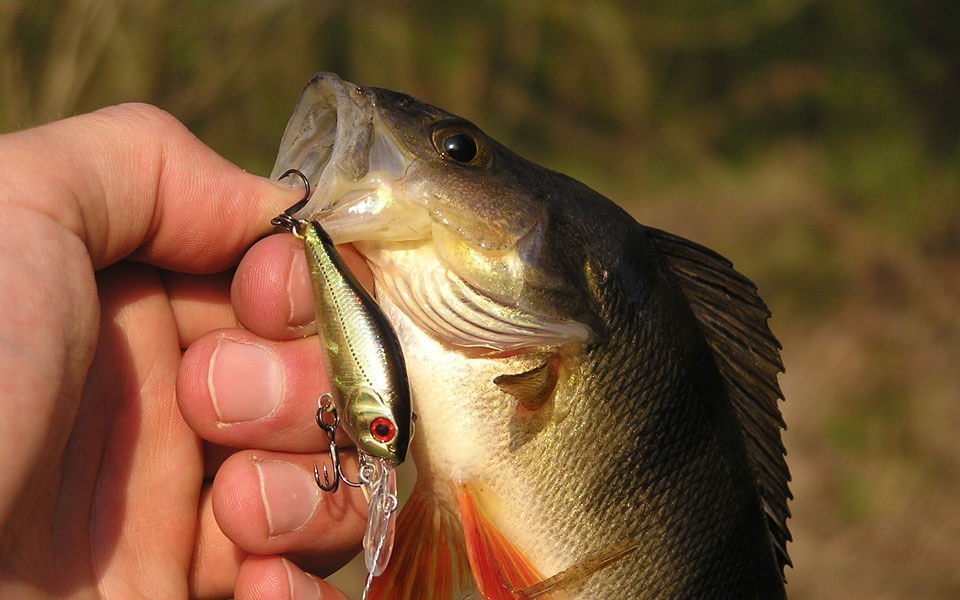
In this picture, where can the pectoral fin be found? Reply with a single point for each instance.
(534, 387)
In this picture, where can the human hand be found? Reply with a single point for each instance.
(111, 226)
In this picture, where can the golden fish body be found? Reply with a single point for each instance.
(596, 399)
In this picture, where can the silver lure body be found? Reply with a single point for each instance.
(361, 353)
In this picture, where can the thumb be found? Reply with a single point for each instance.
(132, 181)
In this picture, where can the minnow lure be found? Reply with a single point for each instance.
(370, 398)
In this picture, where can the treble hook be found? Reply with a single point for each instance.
(330, 429)
(286, 218)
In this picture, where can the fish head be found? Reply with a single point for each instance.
(390, 172)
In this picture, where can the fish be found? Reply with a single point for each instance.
(596, 400)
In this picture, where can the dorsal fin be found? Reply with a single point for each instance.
(734, 320)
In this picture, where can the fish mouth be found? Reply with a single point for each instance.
(354, 163)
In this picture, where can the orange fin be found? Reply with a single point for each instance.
(498, 568)
(438, 556)
(429, 558)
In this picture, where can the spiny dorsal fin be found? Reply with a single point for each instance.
(734, 319)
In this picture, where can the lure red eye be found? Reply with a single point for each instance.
(383, 430)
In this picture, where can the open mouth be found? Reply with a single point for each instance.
(351, 158)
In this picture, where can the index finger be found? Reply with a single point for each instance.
(131, 180)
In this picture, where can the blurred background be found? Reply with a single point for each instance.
(815, 143)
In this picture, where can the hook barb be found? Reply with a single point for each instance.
(330, 429)
(324, 482)
(326, 485)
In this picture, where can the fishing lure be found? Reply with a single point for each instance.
(370, 398)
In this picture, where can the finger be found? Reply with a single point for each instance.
(269, 503)
(237, 389)
(149, 452)
(273, 577)
(216, 560)
(272, 292)
(200, 303)
(131, 179)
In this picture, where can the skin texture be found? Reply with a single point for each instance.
(118, 228)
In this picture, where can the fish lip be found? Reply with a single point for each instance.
(351, 157)
(310, 137)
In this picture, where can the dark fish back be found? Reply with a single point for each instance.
(706, 501)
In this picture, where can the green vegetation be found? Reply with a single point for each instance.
(816, 143)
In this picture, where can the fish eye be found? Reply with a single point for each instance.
(458, 144)
(461, 147)
(383, 430)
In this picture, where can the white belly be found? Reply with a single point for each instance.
(462, 437)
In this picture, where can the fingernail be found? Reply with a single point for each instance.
(299, 293)
(289, 495)
(302, 585)
(245, 381)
